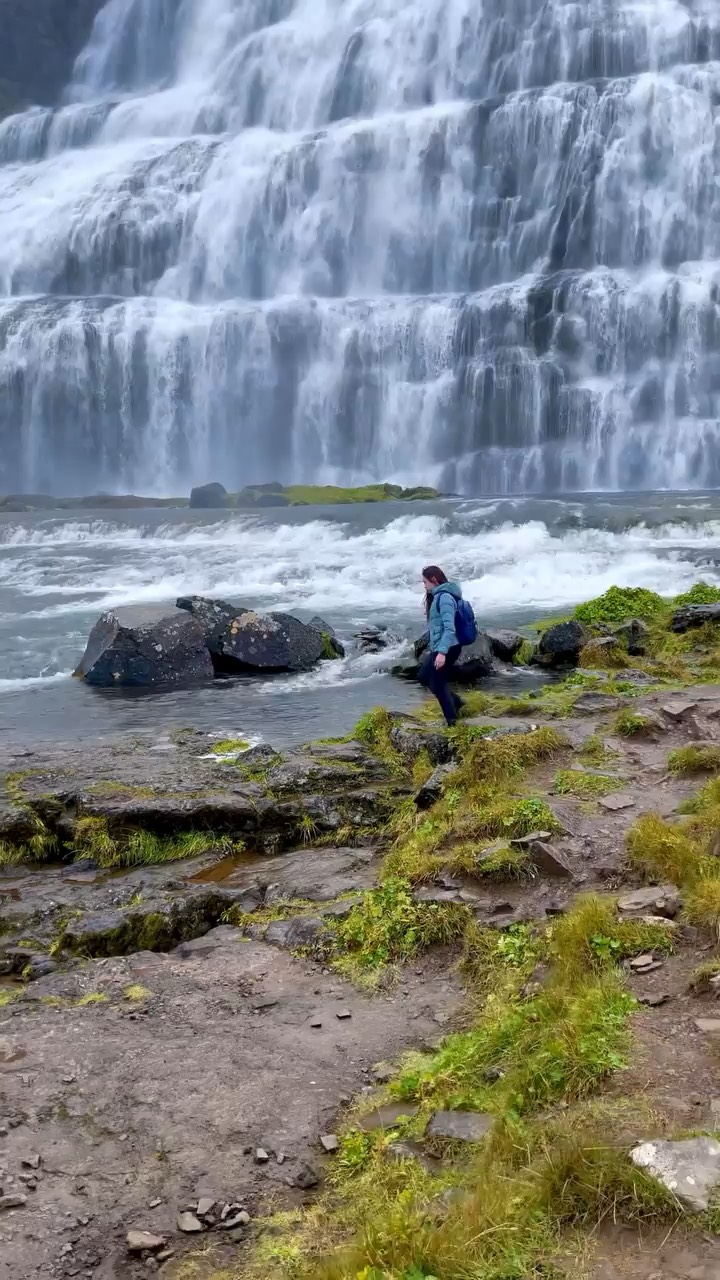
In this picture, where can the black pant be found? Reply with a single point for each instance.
(437, 682)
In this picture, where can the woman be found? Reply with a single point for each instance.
(441, 601)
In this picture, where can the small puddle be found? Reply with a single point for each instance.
(226, 867)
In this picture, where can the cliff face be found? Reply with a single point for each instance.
(39, 43)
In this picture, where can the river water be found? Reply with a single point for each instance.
(518, 560)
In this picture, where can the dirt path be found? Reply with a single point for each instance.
(167, 1097)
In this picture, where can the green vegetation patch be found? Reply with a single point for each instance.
(555, 1162)
(573, 782)
(619, 604)
(389, 926)
(93, 839)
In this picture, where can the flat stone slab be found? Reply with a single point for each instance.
(388, 1116)
(708, 1026)
(678, 710)
(690, 1168)
(616, 801)
(463, 1126)
(660, 900)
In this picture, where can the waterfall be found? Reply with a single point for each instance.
(473, 243)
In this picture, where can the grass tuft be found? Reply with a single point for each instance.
(694, 759)
(629, 723)
(572, 782)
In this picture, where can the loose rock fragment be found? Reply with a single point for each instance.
(143, 1242)
(616, 801)
(663, 900)
(188, 1223)
(387, 1117)
(463, 1126)
(261, 1156)
(11, 1201)
(205, 1206)
(330, 1142)
(690, 1168)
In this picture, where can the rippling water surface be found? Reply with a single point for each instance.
(517, 559)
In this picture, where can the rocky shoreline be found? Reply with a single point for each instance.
(208, 949)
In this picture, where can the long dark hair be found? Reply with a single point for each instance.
(433, 574)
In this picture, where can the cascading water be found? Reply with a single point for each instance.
(475, 242)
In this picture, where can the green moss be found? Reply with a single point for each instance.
(619, 604)
(92, 997)
(524, 654)
(334, 495)
(572, 782)
(329, 650)
(230, 746)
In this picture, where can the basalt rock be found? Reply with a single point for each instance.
(141, 647)
(695, 615)
(270, 642)
(560, 645)
(505, 644)
(209, 496)
(214, 616)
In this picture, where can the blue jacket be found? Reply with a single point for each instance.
(441, 618)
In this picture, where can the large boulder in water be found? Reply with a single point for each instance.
(560, 645)
(208, 496)
(214, 616)
(270, 642)
(142, 647)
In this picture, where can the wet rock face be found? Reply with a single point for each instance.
(197, 639)
(560, 645)
(214, 616)
(270, 642)
(144, 647)
(208, 496)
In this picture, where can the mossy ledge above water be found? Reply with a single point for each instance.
(260, 496)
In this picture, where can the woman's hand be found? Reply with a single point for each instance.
(439, 661)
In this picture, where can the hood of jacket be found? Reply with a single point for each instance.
(453, 589)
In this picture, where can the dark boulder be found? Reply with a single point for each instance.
(332, 648)
(214, 616)
(560, 645)
(208, 496)
(505, 644)
(270, 642)
(634, 634)
(142, 647)
(695, 615)
(475, 661)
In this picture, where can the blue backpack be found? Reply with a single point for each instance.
(465, 625)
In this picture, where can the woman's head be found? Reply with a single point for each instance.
(432, 576)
